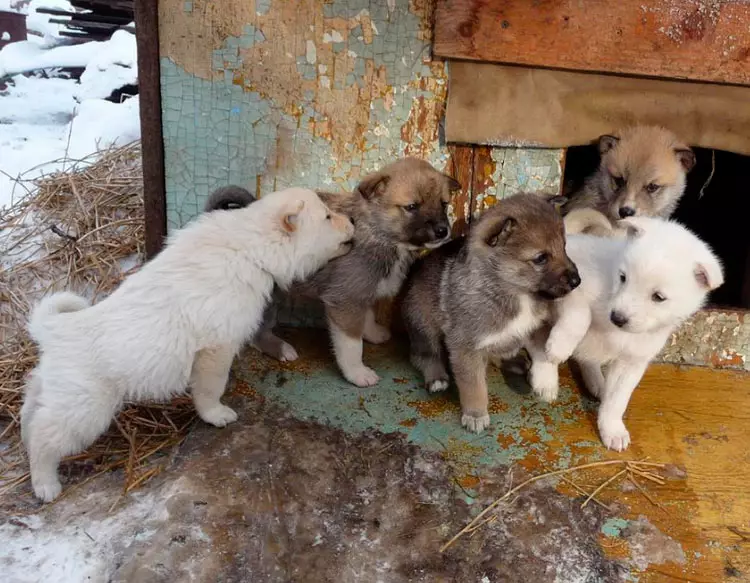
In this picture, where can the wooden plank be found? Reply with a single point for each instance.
(152, 144)
(681, 39)
(460, 166)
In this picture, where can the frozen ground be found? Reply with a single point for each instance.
(48, 116)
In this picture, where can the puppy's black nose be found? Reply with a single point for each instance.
(618, 319)
(441, 231)
(572, 278)
(626, 211)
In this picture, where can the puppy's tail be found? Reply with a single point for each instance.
(589, 221)
(50, 307)
(228, 198)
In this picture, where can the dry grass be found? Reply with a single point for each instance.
(80, 229)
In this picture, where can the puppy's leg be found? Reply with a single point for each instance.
(428, 356)
(543, 374)
(373, 332)
(620, 381)
(347, 326)
(208, 380)
(51, 432)
(592, 377)
(569, 329)
(268, 343)
(470, 372)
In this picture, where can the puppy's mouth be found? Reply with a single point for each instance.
(438, 243)
(344, 248)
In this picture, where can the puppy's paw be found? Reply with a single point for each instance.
(544, 381)
(476, 422)
(614, 434)
(287, 353)
(558, 350)
(437, 385)
(377, 334)
(362, 376)
(219, 416)
(47, 491)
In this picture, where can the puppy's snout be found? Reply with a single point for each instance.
(626, 211)
(441, 231)
(571, 278)
(618, 319)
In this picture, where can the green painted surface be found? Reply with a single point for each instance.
(399, 403)
(613, 527)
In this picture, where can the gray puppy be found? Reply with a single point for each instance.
(397, 212)
(486, 293)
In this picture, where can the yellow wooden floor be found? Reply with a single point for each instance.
(699, 420)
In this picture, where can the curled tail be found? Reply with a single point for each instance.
(227, 198)
(50, 307)
(588, 221)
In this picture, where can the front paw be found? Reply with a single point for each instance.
(219, 416)
(287, 353)
(47, 491)
(377, 334)
(362, 376)
(437, 386)
(614, 434)
(558, 350)
(475, 422)
(544, 381)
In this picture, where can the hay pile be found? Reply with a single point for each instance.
(80, 229)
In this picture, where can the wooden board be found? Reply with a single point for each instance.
(707, 40)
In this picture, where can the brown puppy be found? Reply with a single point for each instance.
(642, 172)
(486, 294)
(397, 212)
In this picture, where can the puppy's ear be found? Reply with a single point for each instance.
(686, 157)
(501, 233)
(453, 184)
(709, 274)
(372, 185)
(558, 202)
(606, 143)
(290, 218)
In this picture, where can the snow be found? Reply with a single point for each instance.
(43, 119)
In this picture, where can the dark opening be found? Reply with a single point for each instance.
(719, 216)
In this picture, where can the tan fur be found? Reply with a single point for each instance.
(634, 160)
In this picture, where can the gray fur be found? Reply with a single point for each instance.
(474, 289)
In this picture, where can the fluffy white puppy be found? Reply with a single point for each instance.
(634, 293)
(179, 321)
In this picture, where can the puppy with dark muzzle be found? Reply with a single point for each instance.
(642, 172)
(397, 212)
(487, 293)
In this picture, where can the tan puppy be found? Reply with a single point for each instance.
(642, 172)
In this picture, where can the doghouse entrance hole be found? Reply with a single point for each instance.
(719, 216)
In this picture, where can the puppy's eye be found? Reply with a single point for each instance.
(328, 217)
(652, 188)
(445, 204)
(618, 182)
(623, 279)
(540, 259)
(658, 297)
(410, 208)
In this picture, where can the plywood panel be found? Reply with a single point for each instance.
(705, 40)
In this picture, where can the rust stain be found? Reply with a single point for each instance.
(434, 407)
(468, 481)
(496, 405)
(505, 440)
(726, 358)
(529, 435)
(408, 422)
(421, 129)
(400, 380)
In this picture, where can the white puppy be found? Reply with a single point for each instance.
(634, 293)
(179, 321)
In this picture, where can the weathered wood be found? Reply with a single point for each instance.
(704, 40)
(152, 144)
(460, 166)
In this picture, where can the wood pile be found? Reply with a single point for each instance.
(94, 19)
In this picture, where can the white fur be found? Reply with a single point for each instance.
(389, 286)
(524, 323)
(179, 321)
(659, 256)
(348, 353)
